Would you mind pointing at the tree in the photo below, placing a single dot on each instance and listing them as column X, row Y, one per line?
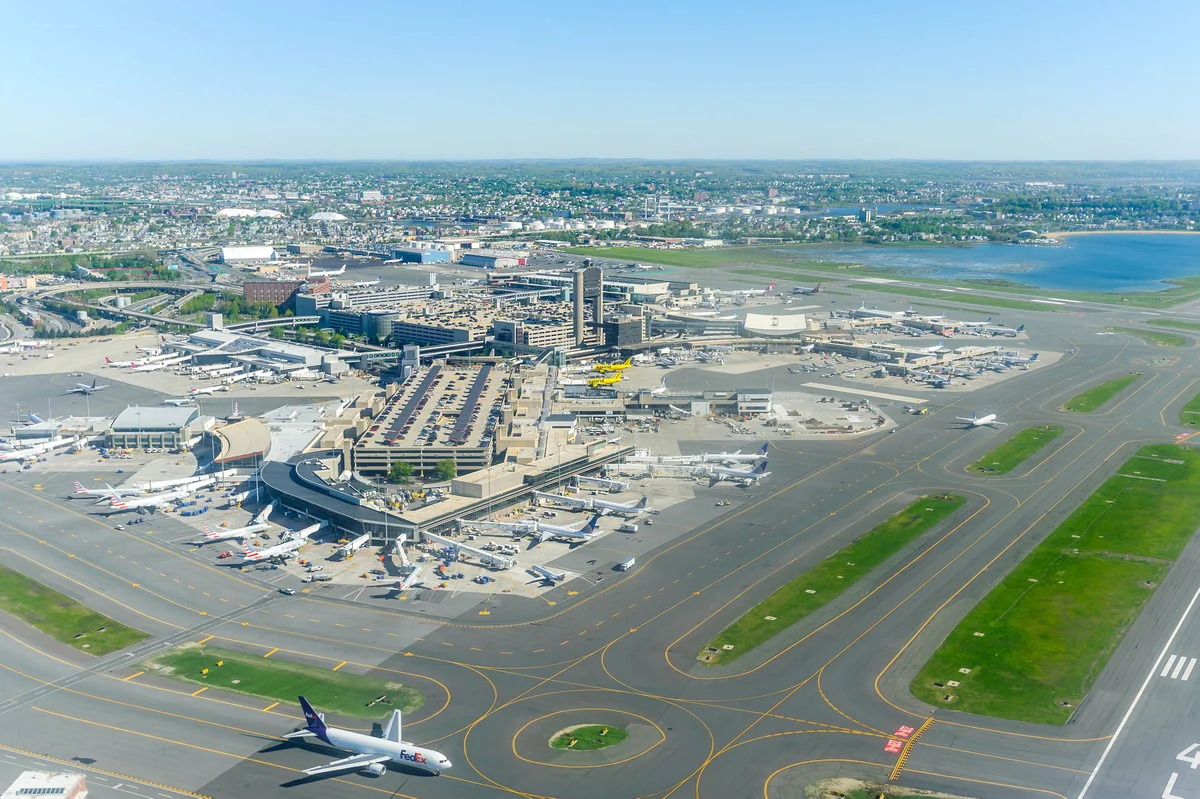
column 446, row 469
column 400, row 472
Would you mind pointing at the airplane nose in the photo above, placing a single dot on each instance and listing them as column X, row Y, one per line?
column 447, row 764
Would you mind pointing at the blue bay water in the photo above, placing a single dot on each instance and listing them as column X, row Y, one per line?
column 1113, row 262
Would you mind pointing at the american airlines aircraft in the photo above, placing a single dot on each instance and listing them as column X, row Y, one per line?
column 370, row 753
column 105, row 493
column 239, row 532
column 266, row 553
column 975, row 420
column 151, row 501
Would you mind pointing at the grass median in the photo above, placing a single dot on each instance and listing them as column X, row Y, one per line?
column 62, row 618
column 1176, row 324
column 1031, row 649
column 1156, row 337
column 275, row 678
column 1189, row 415
column 1100, row 395
column 829, row 578
column 1012, row 453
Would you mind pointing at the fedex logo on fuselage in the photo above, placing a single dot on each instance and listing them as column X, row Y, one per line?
column 413, row 757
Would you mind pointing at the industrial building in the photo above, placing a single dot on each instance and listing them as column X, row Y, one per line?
column 275, row 292
column 492, row 259
column 421, row 256
column 47, row 785
column 438, row 413
column 247, row 254
column 142, row 427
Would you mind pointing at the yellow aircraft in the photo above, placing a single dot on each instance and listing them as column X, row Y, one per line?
column 597, row 382
column 603, row 368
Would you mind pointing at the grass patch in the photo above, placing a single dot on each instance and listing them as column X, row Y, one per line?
column 1189, row 415
column 62, row 618
column 1152, row 336
column 829, row 578
column 1051, row 625
column 1176, row 324
column 1013, row 452
column 1097, row 396
column 282, row 680
column 585, row 739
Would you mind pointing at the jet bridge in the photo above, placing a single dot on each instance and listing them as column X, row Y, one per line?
column 599, row 482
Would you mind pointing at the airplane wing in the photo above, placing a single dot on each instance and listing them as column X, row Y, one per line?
column 348, row 764
column 1002, row 424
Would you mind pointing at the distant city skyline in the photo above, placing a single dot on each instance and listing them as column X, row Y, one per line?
column 702, row 80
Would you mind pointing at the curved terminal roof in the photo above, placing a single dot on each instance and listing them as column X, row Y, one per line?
column 775, row 324
column 248, row 438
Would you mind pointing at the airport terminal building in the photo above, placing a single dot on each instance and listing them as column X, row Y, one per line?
column 145, row 427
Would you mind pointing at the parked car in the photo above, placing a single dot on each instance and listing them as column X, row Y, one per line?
column 288, row 591
column 224, row 555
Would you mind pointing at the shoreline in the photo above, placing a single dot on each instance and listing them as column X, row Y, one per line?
column 1066, row 234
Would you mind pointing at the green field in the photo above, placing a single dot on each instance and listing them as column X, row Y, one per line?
column 281, row 680
column 1153, row 336
column 1035, row 644
column 1189, row 415
column 595, row 736
column 1099, row 395
column 823, row 583
column 61, row 617
column 1012, row 453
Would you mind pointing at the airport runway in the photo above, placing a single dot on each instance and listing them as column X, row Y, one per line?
column 823, row 698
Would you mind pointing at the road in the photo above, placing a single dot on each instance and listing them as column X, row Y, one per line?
column 823, row 698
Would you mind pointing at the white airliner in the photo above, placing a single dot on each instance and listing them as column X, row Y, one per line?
column 105, row 493
column 326, row 272
column 362, row 284
column 1011, row 359
column 239, row 532
column 121, row 364
column 547, row 575
column 162, row 485
column 591, row 503
column 177, row 401
column 370, row 753
column 152, row 501
column 975, row 420
column 266, row 553
column 735, row 457
column 150, row 350
column 717, row 473
column 208, row 390
column 84, row 388
column 295, row 540
column 752, row 292
column 38, row 449
column 542, row 531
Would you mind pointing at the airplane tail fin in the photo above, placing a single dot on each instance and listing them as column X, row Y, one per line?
column 1033, row 357
column 392, row 732
column 771, row 287
column 762, row 468
column 93, row 382
column 644, row 503
column 79, row 489
column 592, row 525
column 107, row 359
column 765, row 447
column 311, row 718
column 1021, row 328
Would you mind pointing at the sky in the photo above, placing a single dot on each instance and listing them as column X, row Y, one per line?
column 655, row 79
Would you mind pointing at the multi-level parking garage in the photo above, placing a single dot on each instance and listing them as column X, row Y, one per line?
column 447, row 412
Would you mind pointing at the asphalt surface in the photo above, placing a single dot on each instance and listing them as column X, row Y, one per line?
column 821, row 699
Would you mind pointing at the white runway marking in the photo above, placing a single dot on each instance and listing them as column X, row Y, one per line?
column 865, row 393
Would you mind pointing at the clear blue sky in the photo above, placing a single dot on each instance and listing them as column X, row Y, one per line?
column 341, row 79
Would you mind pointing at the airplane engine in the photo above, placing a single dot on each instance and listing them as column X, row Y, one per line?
column 376, row 770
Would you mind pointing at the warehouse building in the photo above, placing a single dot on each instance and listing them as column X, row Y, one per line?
column 248, row 254
column 493, row 259
column 141, row 427
column 275, row 292
column 421, row 256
